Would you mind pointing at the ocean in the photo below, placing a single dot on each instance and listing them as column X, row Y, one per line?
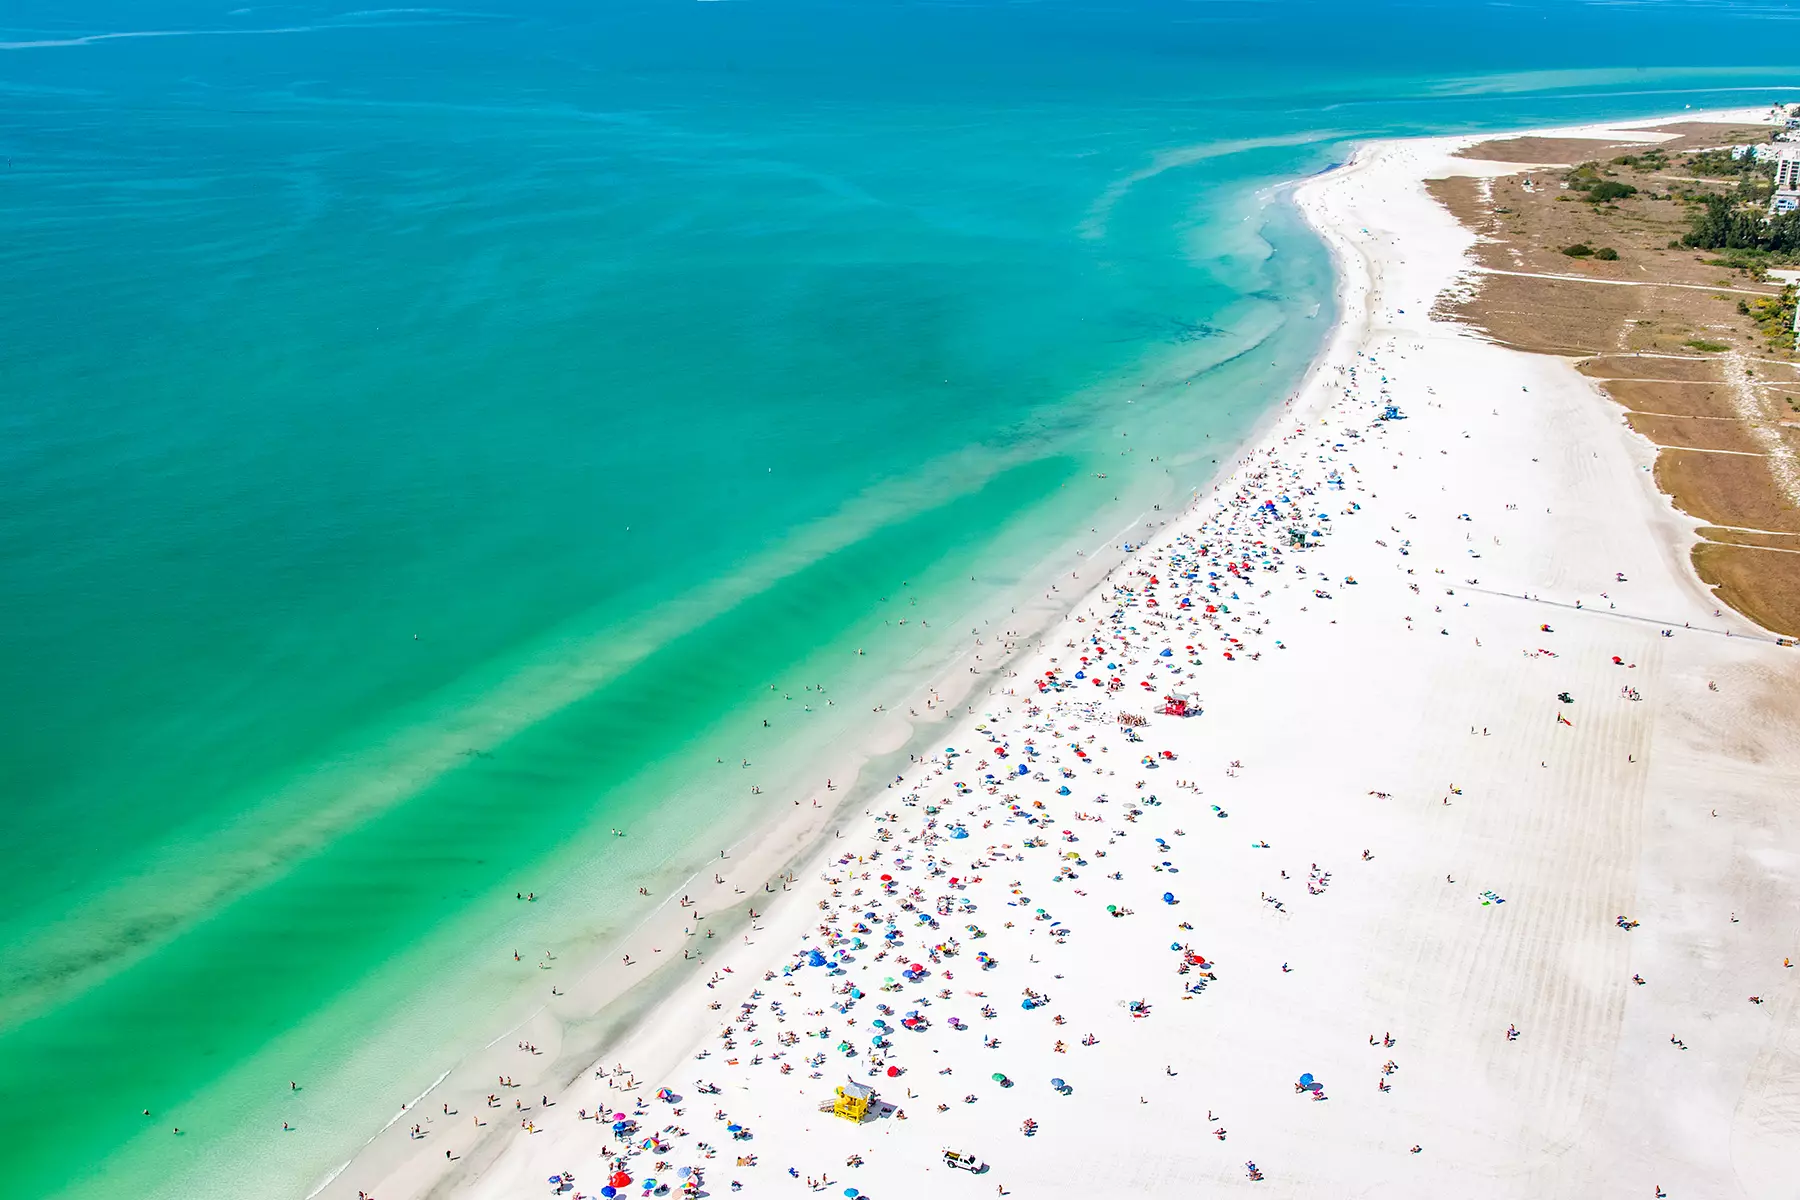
column 431, row 439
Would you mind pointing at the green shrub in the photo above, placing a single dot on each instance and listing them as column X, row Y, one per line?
column 1578, row 250
column 1774, row 316
column 1709, row 347
column 1607, row 254
column 1610, row 189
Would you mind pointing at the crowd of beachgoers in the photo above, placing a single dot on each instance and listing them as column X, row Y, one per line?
column 1351, row 836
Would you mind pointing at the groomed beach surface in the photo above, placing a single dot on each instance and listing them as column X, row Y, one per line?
column 1467, row 872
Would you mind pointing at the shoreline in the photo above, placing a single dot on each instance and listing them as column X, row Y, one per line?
column 655, row 1051
column 770, row 850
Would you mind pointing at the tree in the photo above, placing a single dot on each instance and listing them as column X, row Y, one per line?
column 1722, row 224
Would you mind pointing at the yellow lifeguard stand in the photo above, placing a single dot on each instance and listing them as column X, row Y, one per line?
column 853, row 1100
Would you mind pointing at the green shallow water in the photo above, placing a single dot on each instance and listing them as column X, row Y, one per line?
column 633, row 362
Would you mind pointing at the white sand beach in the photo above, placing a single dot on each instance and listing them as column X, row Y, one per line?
column 1381, row 843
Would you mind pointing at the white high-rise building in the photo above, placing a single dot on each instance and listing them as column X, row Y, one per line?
column 1787, row 169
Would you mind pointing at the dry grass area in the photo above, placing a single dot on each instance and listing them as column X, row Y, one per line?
column 1698, row 433
column 1764, row 585
column 1654, row 368
column 1550, row 316
column 1698, row 135
column 1725, row 489
column 1747, row 537
column 1670, row 398
column 1690, row 135
column 1658, row 328
column 1539, row 150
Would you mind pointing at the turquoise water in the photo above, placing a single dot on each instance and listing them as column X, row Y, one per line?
column 426, row 435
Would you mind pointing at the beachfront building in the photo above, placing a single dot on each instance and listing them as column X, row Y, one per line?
column 1787, row 169
column 1787, row 181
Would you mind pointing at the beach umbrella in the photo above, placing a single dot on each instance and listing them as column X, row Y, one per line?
column 1168, row 897
column 620, row 1179
column 1058, row 1084
column 893, row 1072
column 999, row 1077
column 852, row 1193
column 609, row 1191
column 683, row 1172
column 734, row 1128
